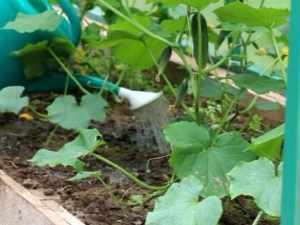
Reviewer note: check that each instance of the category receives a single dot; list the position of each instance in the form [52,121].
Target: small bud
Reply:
[262,50]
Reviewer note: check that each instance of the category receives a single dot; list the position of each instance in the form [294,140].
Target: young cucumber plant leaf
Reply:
[85,174]
[238,12]
[35,57]
[126,43]
[47,20]
[226,26]
[267,106]
[259,180]
[192,155]
[269,144]
[11,100]
[257,83]
[84,143]
[77,116]
[210,88]
[197,4]
[180,205]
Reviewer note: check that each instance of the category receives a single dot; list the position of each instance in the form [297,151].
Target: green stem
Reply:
[186,108]
[224,118]
[36,112]
[197,102]
[68,72]
[268,66]
[49,139]
[257,219]
[137,25]
[250,105]
[261,4]
[111,193]
[66,85]
[236,37]
[278,55]
[128,174]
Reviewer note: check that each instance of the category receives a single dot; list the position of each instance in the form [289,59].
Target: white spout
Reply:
[138,99]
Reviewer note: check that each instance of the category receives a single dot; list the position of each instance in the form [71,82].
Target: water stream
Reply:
[149,121]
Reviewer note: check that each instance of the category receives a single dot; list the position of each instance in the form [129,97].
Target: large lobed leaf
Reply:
[260,180]
[269,144]
[257,83]
[126,42]
[11,100]
[240,13]
[85,142]
[180,205]
[197,4]
[192,155]
[70,115]
[23,23]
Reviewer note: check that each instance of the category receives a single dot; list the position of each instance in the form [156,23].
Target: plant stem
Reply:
[268,66]
[259,215]
[197,102]
[111,193]
[250,105]
[224,118]
[278,55]
[49,139]
[36,112]
[168,82]
[136,24]
[128,174]
[236,37]
[68,72]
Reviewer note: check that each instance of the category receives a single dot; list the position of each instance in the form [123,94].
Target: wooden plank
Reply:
[19,206]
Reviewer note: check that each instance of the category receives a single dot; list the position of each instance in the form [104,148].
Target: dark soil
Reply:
[89,200]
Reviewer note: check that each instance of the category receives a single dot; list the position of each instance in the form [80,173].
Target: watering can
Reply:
[12,70]
[10,40]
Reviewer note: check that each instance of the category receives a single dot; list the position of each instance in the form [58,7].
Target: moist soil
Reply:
[88,199]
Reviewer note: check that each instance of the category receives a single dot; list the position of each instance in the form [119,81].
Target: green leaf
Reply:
[210,88]
[197,4]
[259,84]
[126,43]
[11,100]
[47,20]
[85,142]
[173,25]
[85,174]
[259,180]
[193,156]
[116,37]
[269,144]
[65,111]
[33,58]
[241,27]
[267,106]
[180,205]
[237,13]
[62,47]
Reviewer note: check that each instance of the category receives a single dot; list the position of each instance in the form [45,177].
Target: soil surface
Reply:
[89,200]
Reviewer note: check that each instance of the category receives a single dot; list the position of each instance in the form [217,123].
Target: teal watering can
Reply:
[10,40]
[12,70]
